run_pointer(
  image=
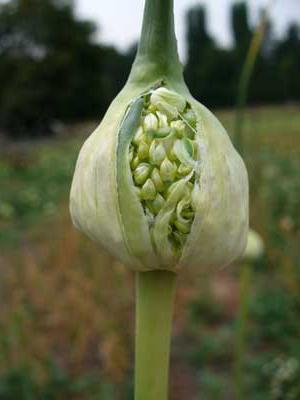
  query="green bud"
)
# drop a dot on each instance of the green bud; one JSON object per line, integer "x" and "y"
{"x": 168, "y": 170}
{"x": 150, "y": 123}
{"x": 190, "y": 118}
{"x": 157, "y": 153}
{"x": 135, "y": 162}
{"x": 170, "y": 111}
{"x": 138, "y": 137}
{"x": 143, "y": 150}
{"x": 179, "y": 127}
{"x": 170, "y": 151}
{"x": 184, "y": 169}
{"x": 162, "y": 120}
{"x": 158, "y": 203}
{"x": 167, "y": 102}
{"x": 162, "y": 133}
{"x": 156, "y": 178}
{"x": 183, "y": 226}
{"x": 184, "y": 151}
{"x": 148, "y": 191}
{"x": 141, "y": 173}
{"x": 184, "y": 215}
{"x": 174, "y": 187}
{"x": 182, "y": 205}
{"x": 152, "y": 108}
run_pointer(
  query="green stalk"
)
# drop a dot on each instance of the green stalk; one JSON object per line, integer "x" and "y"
{"x": 243, "y": 87}
{"x": 240, "y": 351}
{"x": 157, "y": 55}
{"x": 155, "y": 292}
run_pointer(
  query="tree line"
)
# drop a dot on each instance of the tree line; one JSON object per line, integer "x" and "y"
{"x": 52, "y": 69}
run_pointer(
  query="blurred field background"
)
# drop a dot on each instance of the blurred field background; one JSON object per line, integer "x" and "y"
{"x": 67, "y": 309}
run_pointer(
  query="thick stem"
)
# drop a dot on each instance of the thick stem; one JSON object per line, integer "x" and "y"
{"x": 158, "y": 34}
{"x": 155, "y": 294}
{"x": 157, "y": 54}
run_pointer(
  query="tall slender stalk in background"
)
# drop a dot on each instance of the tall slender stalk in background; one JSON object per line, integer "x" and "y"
{"x": 245, "y": 78}
{"x": 241, "y": 332}
{"x": 253, "y": 252}
{"x": 246, "y": 270}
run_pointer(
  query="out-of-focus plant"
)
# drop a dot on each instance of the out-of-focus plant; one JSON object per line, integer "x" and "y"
{"x": 245, "y": 78}
{"x": 254, "y": 251}
{"x": 21, "y": 382}
{"x": 285, "y": 378}
{"x": 255, "y": 246}
{"x": 31, "y": 310}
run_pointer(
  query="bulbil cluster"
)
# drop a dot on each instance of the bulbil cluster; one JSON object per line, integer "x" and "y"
{"x": 164, "y": 159}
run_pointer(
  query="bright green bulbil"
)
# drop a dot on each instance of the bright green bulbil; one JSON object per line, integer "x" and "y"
{"x": 170, "y": 154}
{"x": 159, "y": 184}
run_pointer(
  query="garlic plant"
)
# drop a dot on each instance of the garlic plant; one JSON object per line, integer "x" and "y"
{"x": 159, "y": 185}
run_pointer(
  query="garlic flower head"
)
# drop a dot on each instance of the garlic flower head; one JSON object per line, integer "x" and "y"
{"x": 160, "y": 186}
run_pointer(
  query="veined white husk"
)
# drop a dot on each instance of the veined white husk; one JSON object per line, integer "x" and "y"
{"x": 220, "y": 226}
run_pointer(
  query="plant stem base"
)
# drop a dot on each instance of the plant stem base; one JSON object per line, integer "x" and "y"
{"x": 155, "y": 292}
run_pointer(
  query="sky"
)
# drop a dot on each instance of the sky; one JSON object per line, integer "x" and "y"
{"x": 120, "y": 21}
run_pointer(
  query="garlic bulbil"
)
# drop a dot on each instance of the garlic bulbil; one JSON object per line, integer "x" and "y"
{"x": 158, "y": 184}
{"x": 165, "y": 164}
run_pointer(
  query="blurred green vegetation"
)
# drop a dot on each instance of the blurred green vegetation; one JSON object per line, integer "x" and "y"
{"x": 33, "y": 182}
{"x": 66, "y": 308}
